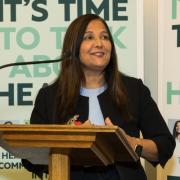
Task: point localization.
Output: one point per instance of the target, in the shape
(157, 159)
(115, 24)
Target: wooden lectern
(60, 145)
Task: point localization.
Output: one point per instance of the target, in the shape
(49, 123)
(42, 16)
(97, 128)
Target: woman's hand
(108, 122)
(130, 139)
(87, 123)
(149, 150)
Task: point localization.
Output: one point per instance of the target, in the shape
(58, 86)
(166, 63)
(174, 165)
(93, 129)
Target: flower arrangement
(74, 121)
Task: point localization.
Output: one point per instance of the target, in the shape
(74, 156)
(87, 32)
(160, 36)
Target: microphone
(67, 55)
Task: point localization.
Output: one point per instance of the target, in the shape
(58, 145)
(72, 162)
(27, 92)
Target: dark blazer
(145, 113)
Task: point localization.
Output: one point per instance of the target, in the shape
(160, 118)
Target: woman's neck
(94, 80)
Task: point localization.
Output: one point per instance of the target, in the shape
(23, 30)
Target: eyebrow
(104, 31)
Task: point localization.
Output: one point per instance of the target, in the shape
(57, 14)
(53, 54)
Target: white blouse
(95, 113)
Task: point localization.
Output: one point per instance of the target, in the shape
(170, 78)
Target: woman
(176, 131)
(91, 88)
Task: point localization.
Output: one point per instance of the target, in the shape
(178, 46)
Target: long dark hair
(71, 76)
(175, 133)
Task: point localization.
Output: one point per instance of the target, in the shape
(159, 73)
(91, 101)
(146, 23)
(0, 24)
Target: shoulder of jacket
(49, 87)
(129, 79)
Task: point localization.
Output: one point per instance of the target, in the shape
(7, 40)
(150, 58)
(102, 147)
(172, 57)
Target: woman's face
(95, 49)
(178, 127)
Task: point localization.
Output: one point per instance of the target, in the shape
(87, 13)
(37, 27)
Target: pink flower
(77, 123)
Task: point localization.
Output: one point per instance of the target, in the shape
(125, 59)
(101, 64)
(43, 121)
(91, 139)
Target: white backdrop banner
(33, 31)
(169, 76)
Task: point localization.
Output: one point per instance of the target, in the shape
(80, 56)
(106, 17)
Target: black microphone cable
(65, 55)
(30, 62)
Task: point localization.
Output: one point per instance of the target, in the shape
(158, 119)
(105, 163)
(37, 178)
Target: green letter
(171, 93)
(174, 9)
(116, 37)
(33, 32)
(58, 35)
(20, 69)
(7, 38)
(41, 70)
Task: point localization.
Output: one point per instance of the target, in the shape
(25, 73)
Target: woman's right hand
(87, 123)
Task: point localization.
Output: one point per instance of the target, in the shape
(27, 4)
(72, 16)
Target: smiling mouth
(99, 54)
